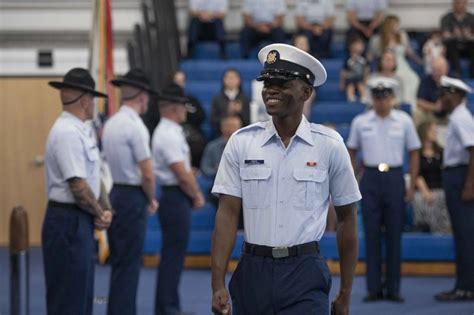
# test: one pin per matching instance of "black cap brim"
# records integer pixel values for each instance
(120, 82)
(61, 85)
(173, 99)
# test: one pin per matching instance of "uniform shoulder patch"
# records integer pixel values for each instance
(317, 128)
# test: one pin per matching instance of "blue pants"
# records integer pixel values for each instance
(68, 257)
(462, 221)
(175, 220)
(126, 236)
(383, 205)
(320, 45)
(213, 30)
(250, 37)
(287, 286)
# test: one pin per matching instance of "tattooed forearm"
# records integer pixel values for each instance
(104, 198)
(84, 196)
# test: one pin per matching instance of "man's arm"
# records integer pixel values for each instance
(328, 22)
(187, 182)
(377, 20)
(427, 105)
(148, 180)
(414, 156)
(353, 155)
(248, 21)
(468, 192)
(84, 196)
(104, 200)
(348, 248)
(354, 21)
(278, 21)
(301, 23)
(223, 241)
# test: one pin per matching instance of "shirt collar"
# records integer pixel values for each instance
(129, 111)
(374, 116)
(81, 125)
(459, 110)
(303, 131)
(170, 123)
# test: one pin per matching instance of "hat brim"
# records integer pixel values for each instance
(61, 85)
(268, 76)
(173, 99)
(120, 82)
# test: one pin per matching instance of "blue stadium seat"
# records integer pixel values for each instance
(335, 112)
(210, 50)
(329, 91)
(214, 69)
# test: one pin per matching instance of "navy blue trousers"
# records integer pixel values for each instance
(126, 235)
(383, 206)
(212, 31)
(462, 221)
(320, 45)
(250, 37)
(68, 257)
(287, 286)
(175, 220)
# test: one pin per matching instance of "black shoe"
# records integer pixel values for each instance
(455, 295)
(372, 297)
(394, 298)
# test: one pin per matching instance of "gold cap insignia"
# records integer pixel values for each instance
(272, 56)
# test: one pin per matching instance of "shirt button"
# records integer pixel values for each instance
(280, 226)
(281, 201)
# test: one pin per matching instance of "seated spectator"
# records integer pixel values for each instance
(429, 204)
(192, 126)
(354, 74)
(387, 67)
(263, 21)
(458, 34)
(364, 17)
(433, 48)
(315, 19)
(393, 38)
(428, 107)
(214, 149)
(207, 23)
(231, 100)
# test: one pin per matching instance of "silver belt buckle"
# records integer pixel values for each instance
(280, 252)
(383, 167)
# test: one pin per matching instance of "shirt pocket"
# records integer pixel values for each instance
(93, 159)
(255, 187)
(308, 188)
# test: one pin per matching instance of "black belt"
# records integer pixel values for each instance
(455, 166)
(64, 205)
(128, 186)
(281, 252)
(383, 168)
(170, 188)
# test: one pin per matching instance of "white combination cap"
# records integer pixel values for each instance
(457, 84)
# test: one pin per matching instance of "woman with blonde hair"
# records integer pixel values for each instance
(391, 37)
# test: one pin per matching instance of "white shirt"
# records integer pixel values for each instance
(264, 11)
(365, 9)
(126, 142)
(209, 5)
(71, 151)
(383, 140)
(459, 137)
(285, 191)
(315, 11)
(169, 146)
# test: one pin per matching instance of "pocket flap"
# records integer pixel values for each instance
(93, 154)
(255, 173)
(313, 175)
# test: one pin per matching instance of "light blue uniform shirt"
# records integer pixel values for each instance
(209, 5)
(264, 11)
(126, 142)
(383, 140)
(286, 191)
(459, 137)
(71, 151)
(366, 9)
(169, 146)
(315, 11)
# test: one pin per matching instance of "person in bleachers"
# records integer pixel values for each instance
(207, 23)
(355, 71)
(383, 135)
(458, 33)
(429, 203)
(315, 19)
(194, 121)
(433, 48)
(364, 17)
(231, 100)
(263, 21)
(301, 41)
(387, 67)
(428, 106)
(392, 37)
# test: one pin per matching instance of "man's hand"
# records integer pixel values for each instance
(152, 207)
(104, 221)
(340, 305)
(199, 201)
(468, 192)
(428, 197)
(221, 302)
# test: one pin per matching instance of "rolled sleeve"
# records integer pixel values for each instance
(412, 140)
(227, 180)
(70, 156)
(140, 146)
(343, 185)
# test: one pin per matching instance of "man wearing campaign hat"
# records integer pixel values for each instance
(179, 194)
(458, 182)
(383, 134)
(282, 174)
(126, 145)
(77, 200)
